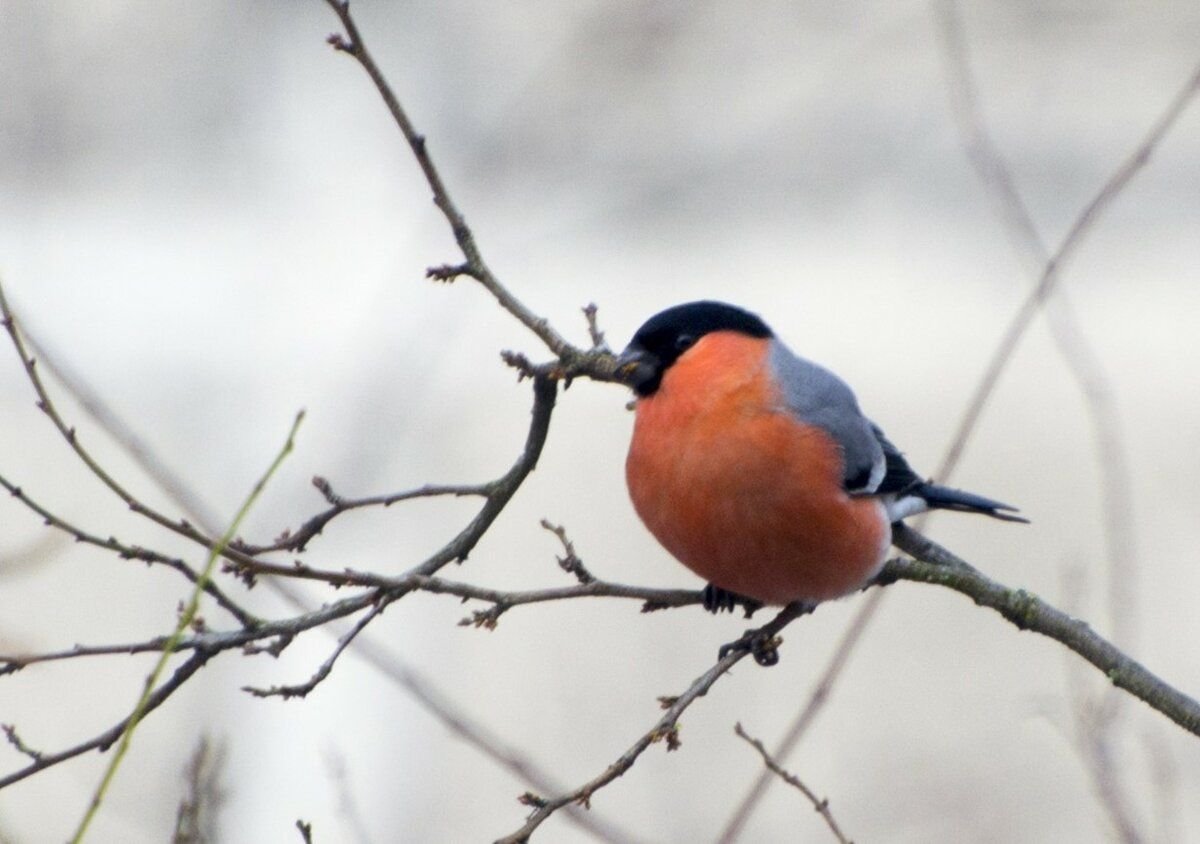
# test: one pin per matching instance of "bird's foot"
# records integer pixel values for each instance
(764, 647)
(717, 600)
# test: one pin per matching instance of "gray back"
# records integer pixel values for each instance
(820, 398)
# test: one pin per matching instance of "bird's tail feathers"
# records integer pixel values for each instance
(946, 498)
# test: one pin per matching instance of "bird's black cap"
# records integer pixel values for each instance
(667, 335)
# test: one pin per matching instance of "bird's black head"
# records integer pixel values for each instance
(667, 335)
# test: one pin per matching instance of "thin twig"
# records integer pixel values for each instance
(305, 829)
(130, 552)
(302, 689)
(10, 733)
(665, 729)
(1051, 273)
(598, 364)
(1097, 717)
(590, 310)
(815, 702)
(185, 620)
(44, 403)
(298, 539)
(103, 741)
(821, 804)
(570, 562)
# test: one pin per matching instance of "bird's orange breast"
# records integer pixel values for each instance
(741, 491)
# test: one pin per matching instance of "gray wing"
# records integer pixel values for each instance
(820, 398)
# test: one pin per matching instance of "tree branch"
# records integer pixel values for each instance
(597, 363)
(934, 564)
(101, 742)
(130, 552)
(819, 803)
(665, 729)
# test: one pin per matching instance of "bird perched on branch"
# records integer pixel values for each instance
(756, 469)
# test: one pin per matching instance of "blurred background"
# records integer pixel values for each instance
(207, 216)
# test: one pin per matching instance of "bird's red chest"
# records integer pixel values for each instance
(741, 491)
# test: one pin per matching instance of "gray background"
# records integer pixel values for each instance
(207, 214)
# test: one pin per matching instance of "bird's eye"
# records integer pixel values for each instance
(684, 342)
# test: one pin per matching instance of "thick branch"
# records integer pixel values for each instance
(1028, 612)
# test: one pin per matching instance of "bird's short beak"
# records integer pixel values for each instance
(636, 367)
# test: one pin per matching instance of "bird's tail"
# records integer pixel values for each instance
(945, 498)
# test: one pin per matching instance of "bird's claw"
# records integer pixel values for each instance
(718, 600)
(764, 647)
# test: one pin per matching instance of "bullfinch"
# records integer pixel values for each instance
(756, 469)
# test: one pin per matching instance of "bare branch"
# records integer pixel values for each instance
(298, 540)
(571, 562)
(597, 363)
(598, 342)
(196, 817)
(10, 733)
(181, 527)
(130, 552)
(102, 742)
(934, 564)
(1049, 278)
(1001, 356)
(301, 690)
(821, 804)
(816, 701)
(665, 729)
(305, 829)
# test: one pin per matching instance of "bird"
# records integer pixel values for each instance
(755, 467)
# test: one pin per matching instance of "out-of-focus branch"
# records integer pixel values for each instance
(820, 804)
(178, 526)
(305, 829)
(1052, 270)
(466, 728)
(196, 816)
(1001, 356)
(189, 612)
(1112, 453)
(1096, 716)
